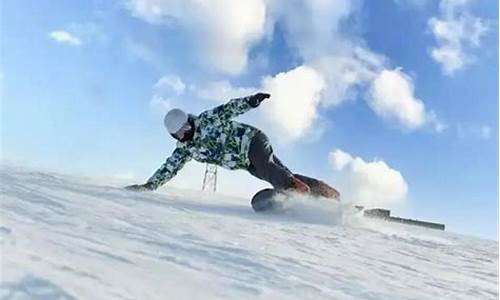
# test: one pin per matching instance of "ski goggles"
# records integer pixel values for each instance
(181, 133)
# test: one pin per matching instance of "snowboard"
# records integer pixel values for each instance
(266, 199)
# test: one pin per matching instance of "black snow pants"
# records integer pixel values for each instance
(267, 166)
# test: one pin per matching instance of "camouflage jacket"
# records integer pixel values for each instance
(217, 140)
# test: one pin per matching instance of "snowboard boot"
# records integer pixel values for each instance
(319, 188)
(300, 186)
(326, 191)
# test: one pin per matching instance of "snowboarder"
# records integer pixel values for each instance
(213, 137)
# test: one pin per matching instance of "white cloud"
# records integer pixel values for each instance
(336, 65)
(339, 160)
(156, 11)
(171, 90)
(347, 66)
(372, 184)
(295, 97)
(170, 84)
(391, 97)
(289, 114)
(292, 109)
(163, 104)
(438, 125)
(65, 37)
(466, 131)
(224, 29)
(456, 33)
(345, 74)
(166, 90)
(222, 91)
(77, 34)
(314, 27)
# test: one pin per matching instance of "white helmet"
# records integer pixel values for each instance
(175, 120)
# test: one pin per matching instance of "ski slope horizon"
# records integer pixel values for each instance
(67, 237)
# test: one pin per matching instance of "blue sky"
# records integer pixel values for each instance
(394, 102)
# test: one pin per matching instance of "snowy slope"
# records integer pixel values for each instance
(65, 238)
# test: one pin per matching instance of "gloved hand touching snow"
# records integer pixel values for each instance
(140, 187)
(256, 99)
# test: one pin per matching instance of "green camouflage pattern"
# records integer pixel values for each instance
(217, 140)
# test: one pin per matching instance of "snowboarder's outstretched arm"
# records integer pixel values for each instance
(236, 107)
(166, 172)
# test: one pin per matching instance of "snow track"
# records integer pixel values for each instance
(65, 238)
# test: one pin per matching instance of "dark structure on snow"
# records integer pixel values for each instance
(385, 214)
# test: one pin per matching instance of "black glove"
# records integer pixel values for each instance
(140, 187)
(256, 99)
